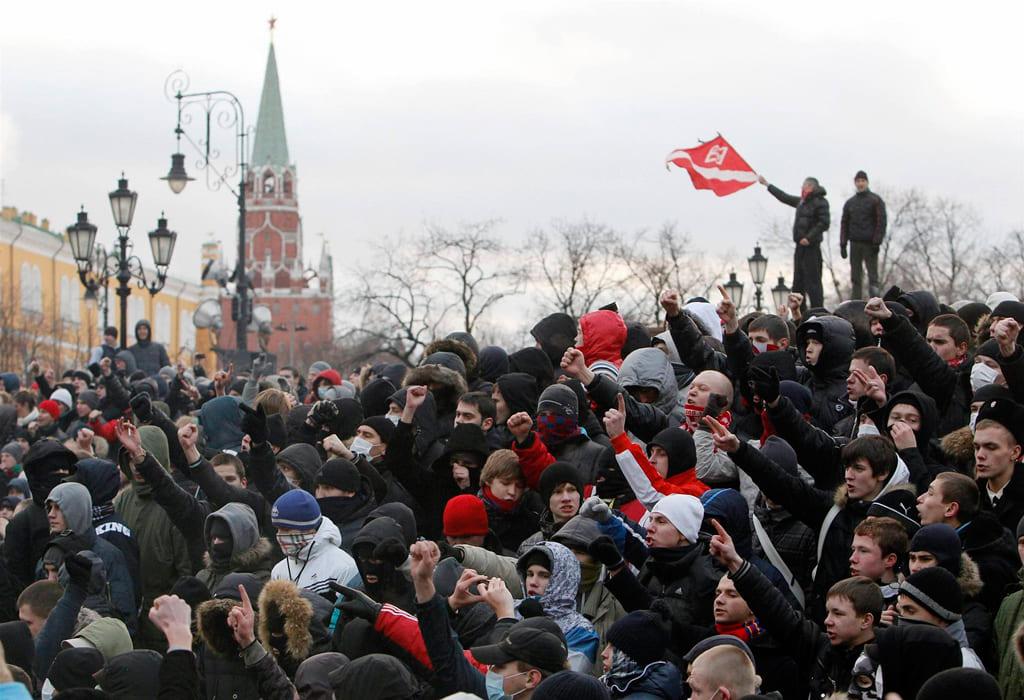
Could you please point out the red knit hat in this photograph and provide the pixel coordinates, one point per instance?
(465, 516)
(51, 407)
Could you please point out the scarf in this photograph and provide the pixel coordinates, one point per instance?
(503, 505)
(694, 413)
(554, 429)
(956, 362)
(100, 512)
(743, 630)
(768, 428)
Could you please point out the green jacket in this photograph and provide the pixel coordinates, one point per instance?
(1007, 622)
(602, 609)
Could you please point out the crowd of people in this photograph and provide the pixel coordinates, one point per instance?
(809, 503)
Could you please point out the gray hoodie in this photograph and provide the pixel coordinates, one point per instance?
(651, 368)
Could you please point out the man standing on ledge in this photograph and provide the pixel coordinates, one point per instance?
(863, 227)
(809, 226)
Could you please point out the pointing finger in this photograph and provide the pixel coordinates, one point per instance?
(622, 403)
(725, 295)
(246, 603)
(719, 529)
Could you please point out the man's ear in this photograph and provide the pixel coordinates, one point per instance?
(891, 560)
(487, 424)
(784, 343)
(867, 621)
(952, 509)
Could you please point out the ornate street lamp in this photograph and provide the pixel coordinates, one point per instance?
(780, 293)
(734, 288)
(758, 266)
(96, 266)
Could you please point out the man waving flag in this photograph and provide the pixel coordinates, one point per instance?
(714, 166)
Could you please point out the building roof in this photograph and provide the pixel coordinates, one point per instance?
(270, 146)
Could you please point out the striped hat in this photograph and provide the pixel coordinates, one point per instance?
(296, 509)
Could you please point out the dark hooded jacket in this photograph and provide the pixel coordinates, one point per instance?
(994, 550)
(294, 622)
(493, 363)
(250, 553)
(520, 393)
(534, 362)
(221, 668)
(556, 333)
(221, 420)
(103, 479)
(442, 372)
(376, 677)
(29, 531)
(812, 214)
(391, 585)
(268, 478)
(922, 305)
(827, 377)
(149, 356)
(924, 461)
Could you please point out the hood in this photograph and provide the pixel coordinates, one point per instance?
(900, 479)
(969, 577)
(141, 324)
(636, 337)
(101, 478)
(132, 676)
(75, 503)
(650, 368)
(911, 654)
(493, 363)
(428, 430)
(469, 438)
(282, 605)
(108, 635)
(925, 406)
(707, 318)
(556, 333)
(464, 351)
(924, 307)
(374, 397)
(577, 533)
(221, 419)
(329, 376)
(838, 343)
(374, 532)
(17, 644)
(401, 514)
(312, 679)
(535, 362)
(39, 464)
(241, 521)
(673, 351)
(853, 311)
(660, 679)
(519, 391)
(449, 384)
(375, 677)
(729, 508)
(559, 599)
(129, 361)
(604, 334)
(304, 458)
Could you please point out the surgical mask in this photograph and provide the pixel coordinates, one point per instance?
(867, 429)
(293, 544)
(297, 483)
(394, 418)
(982, 374)
(322, 392)
(361, 446)
(973, 420)
(496, 685)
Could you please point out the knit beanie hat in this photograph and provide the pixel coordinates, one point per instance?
(62, 396)
(465, 516)
(1009, 309)
(861, 175)
(90, 398)
(51, 407)
(559, 473)
(571, 684)
(318, 367)
(942, 541)
(957, 683)
(640, 636)
(560, 400)
(73, 668)
(937, 591)
(901, 506)
(339, 473)
(684, 512)
(382, 426)
(296, 509)
(14, 450)
(678, 445)
(779, 451)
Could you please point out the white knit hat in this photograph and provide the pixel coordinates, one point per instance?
(684, 512)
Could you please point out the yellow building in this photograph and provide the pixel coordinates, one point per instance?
(43, 314)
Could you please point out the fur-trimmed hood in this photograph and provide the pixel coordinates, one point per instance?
(899, 480)
(959, 444)
(212, 625)
(425, 375)
(456, 347)
(301, 615)
(969, 577)
(255, 560)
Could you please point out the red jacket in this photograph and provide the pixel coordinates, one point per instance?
(604, 334)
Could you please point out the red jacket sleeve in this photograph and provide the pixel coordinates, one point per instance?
(404, 630)
(533, 459)
(104, 430)
(685, 483)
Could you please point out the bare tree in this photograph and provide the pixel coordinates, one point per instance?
(575, 265)
(469, 264)
(398, 304)
(666, 260)
(1006, 262)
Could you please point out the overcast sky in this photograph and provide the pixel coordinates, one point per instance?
(400, 112)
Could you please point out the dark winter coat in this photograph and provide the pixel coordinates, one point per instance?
(864, 219)
(149, 356)
(827, 377)
(659, 681)
(812, 213)
(994, 549)
(1010, 508)
(251, 554)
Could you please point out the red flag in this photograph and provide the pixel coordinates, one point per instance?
(714, 166)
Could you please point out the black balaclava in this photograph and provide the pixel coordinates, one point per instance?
(221, 552)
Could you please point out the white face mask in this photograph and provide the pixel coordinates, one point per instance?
(973, 420)
(361, 446)
(982, 374)
(394, 418)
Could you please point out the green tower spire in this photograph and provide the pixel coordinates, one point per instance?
(270, 146)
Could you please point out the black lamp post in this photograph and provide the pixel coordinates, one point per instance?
(96, 266)
(734, 288)
(226, 110)
(758, 266)
(292, 328)
(780, 293)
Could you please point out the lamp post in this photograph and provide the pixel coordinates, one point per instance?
(96, 266)
(780, 293)
(734, 288)
(291, 327)
(225, 109)
(758, 266)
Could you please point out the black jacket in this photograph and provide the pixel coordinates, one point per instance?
(994, 549)
(827, 377)
(812, 213)
(1010, 508)
(864, 219)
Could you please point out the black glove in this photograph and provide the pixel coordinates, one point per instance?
(356, 603)
(392, 551)
(715, 405)
(254, 423)
(79, 570)
(142, 407)
(323, 413)
(449, 550)
(531, 607)
(842, 252)
(604, 550)
(764, 383)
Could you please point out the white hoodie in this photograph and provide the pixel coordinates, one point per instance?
(320, 562)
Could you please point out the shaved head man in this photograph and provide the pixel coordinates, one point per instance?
(723, 672)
